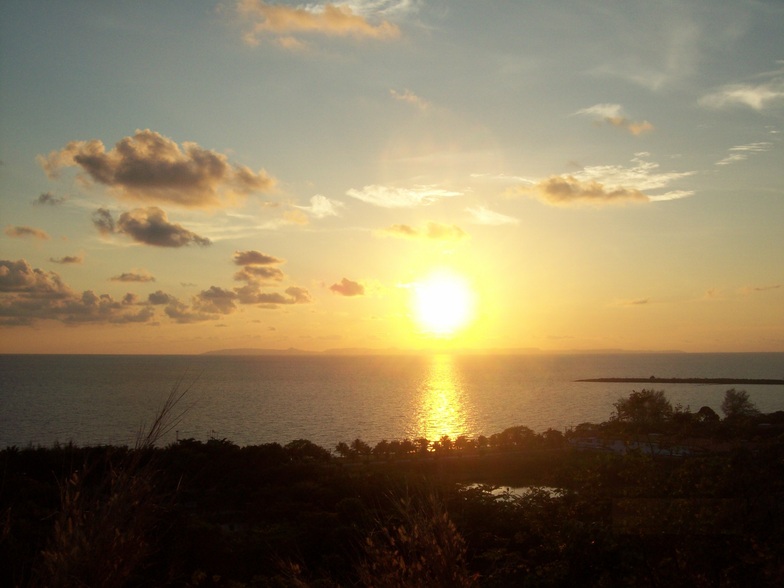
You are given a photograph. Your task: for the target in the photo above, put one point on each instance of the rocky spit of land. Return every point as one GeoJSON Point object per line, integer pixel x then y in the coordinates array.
{"type": "Point", "coordinates": [722, 381]}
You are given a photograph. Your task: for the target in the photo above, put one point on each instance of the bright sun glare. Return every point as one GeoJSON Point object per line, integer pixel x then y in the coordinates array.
{"type": "Point", "coordinates": [443, 303]}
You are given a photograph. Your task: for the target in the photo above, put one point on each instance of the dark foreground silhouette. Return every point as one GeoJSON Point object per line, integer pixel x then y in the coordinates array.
{"type": "Point", "coordinates": [595, 506]}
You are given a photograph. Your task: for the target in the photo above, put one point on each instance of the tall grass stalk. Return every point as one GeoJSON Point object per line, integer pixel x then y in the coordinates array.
{"type": "Point", "coordinates": [109, 510]}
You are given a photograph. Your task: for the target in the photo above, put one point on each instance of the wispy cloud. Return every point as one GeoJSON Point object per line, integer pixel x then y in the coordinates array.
{"type": "Point", "coordinates": [24, 231]}
{"type": "Point", "coordinates": [742, 152]}
{"type": "Point", "coordinates": [484, 216]}
{"type": "Point", "coordinates": [753, 95]}
{"type": "Point", "coordinates": [608, 184]}
{"type": "Point", "coordinates": [432, 231]}
{"type": "Point", "coordinates": [322, 207]}
{"type": "Point", "coordinates": [612, 114]}
{"type": "Point", "coordinates": [408, 97]}
{"type": "Point", "coordinates": [391, 197]}
{"type": "Point", "coordinates": [152, 168]}
{"type": "Point", "coordinates": [286, 25]}
{"type": "Point", "coordinates": [753, 289]}
{"type": "Point", "coordinates": [49, 199]}
{"type": "Point", "coordinates": [135, 276]}
{"type": "Point", "coordinates": [654, 55]}
{"type": "Point", "coordinates": [67, 259]}
{"type": "Point", "coordinates": [569, 190]}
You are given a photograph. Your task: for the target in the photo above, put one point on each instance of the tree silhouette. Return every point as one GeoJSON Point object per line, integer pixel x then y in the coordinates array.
{"type": "Point", "coordinates": [736, 404]}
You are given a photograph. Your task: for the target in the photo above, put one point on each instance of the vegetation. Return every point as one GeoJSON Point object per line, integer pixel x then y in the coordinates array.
{"type": "Point", "coordinates": [598, 507]}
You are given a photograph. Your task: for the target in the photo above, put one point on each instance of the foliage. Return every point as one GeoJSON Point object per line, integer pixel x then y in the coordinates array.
{"type": "Point", "coordinates": [644, 410]}
{"type": "Point", "coordinates": [736, 405]}
{"type": "Point", "coordinates": [405, 512]}
{"type": "Point", "coordinates": [418, 547]}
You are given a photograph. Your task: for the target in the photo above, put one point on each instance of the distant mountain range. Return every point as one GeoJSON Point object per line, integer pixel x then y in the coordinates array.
{"type": "Point", "coordinates": [292, 351]}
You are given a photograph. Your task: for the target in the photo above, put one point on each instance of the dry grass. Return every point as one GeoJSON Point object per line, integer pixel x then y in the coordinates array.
{"type": "Point", "coordinates": [108, 512]}
{"type": "Point", "coordinates": [420, 549]}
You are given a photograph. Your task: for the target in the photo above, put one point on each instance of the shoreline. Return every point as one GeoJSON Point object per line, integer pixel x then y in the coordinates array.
{"type": "Point", "coordinates": [655, 380]}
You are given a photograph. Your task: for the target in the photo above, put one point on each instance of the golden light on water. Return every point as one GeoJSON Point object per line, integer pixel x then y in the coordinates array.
{"type": "Point", "coordinates": [443, 408]}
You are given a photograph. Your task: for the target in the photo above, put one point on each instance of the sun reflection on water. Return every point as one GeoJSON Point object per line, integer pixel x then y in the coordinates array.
{"type": "Point", "coordinates": [443, 408]}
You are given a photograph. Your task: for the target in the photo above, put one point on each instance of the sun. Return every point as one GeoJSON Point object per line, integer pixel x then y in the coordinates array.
{"type": "Point", "coordinates": [443, 303]}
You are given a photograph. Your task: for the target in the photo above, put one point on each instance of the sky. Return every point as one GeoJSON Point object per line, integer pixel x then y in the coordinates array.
{"type": "Point", "coordinates": [180, 177]}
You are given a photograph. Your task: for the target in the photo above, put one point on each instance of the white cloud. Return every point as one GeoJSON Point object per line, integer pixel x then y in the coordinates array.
{"type": "Point", "coordinates": [485, 216]}
{"type": "Point", "coordinates": [608, 184]}
{"type": "Point", "coordinates": [643, 176]}
{"type": "Point", "coordinates": [321, 207]}
{"type": "Point", "coordinates": [742, 152]}
{"type": "Point", "coordinates": [758, 97]}
{"type": "Point", "coordinates": [391, 197]}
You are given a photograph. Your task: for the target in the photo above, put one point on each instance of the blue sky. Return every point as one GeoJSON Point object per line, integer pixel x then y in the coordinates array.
{"type": "Point", "coordinates": [178, 177]}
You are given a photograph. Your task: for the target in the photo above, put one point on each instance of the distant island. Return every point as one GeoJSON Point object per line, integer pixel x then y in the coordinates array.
{"type": "Point", "coordinates": [397, 351]}
{"type": "Point", "coordinates": [655, 380]}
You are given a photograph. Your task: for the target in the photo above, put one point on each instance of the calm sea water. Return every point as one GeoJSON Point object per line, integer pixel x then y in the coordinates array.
{"type": "Point", "coordinates": [249, 400]}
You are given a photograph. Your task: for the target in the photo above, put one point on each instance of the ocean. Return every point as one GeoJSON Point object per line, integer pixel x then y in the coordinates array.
{"type": "Point", "coordinates": [88, 399]}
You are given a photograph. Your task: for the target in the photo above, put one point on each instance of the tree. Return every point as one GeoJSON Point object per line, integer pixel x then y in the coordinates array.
{"type": "Point", "coordinates": [382, 449]}
{"type": "Point", "coordinates": [644, 409]}
{"type": "Point", "coordinates": [360, 447]}
{"type": "Point", "coordinates": [343, 450]}
{"type": "Point", "coordinates": [707, 415]}
{"type": "Point", "coordinates": [304, 450]}
{"type": "Point", "coordinates": [736, 404]}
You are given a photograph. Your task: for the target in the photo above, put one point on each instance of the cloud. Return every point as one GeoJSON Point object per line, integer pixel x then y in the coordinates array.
{"type": "Point", "coordinates": [612, 114]}
{"type": "Point", "coordinates": [149, 167]}
{"type": "Point", "coordinates": [742, 152]}
{"type": "Point", "coordinates": [257, 270]}
{"type": "Point", "coordinates": [253, 273]}
{"type": "Point", "coordinates": [19, 276]}
{"type": "Point", "coordinates": [763, 288]}
{"type": "Point", "coordinates": [181, 313]}
{"type": "Point", "coordinates": [484, 216]}
{"type": "Point", "coordinates": [216, 300]}
{"type": "Point", "coordinates": [253, 257]}
{"type": "Point", "coordinates": [285, 24]}
{"type": "Point", "coordinates": [390, 197]}
{"type": "Point", "coordinates": [643, 176]}
{"type": "Point", "coordinates": [67, 259]}
{"type": "Point", "coordinates": [321, 207]}
{"type": "Point", "coordinates": [142, 276]}
{"type": "Point", "coordinates": [409, 97]}
{"type": "Point", "coordinates": [159, 297]}
{"type": "Point", "coordinates": [256, 267]}
{"type": "Point", "coordinates": [348, 287]}
{"type": "Point", "coordinates": [22, 232]}
{"type": "Point", "coordinates": [150, 226]}
{"type": "Point", "coordinates": [251, 294]}
{"type": "Point", "coordinates": [607, 184]}
{"type": "Point", "coordinates": [28, 295]}
{"type": "Point", "coordinates": [103, 221]}
{"type": "Point", "coordinates": [568, 190]}
{"type": "Point", "coordinates": [632, 303]}
{"type": "Point", "coordinates": [757, 97]}
{"type": "Point", "coordinates": [433, 231]}
{"type": "Point", "coordinates": [49, 199]}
